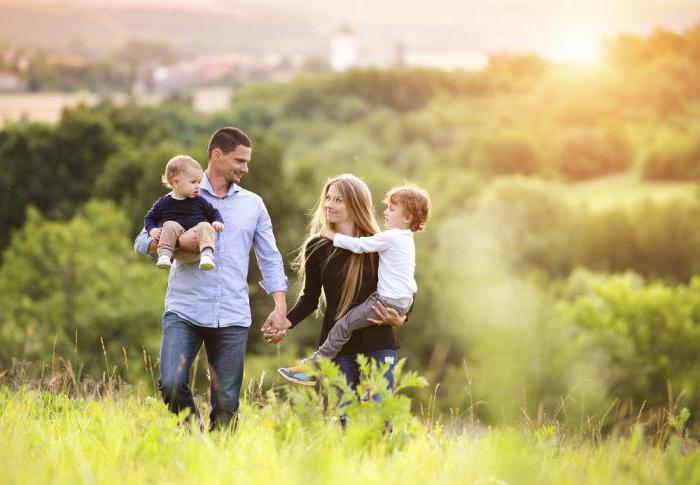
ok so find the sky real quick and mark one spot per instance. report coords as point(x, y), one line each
point(449, 31)
point(558, 29)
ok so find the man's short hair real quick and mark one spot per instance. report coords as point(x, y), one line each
point(415, 202)
point(227, 139)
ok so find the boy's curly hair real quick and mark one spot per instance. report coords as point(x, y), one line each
point(176, 166)
point(415, 202)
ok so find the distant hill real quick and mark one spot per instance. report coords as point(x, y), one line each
point(100, 28)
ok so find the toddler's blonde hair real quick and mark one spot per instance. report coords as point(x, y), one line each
point(415, 202)
point(176, 166)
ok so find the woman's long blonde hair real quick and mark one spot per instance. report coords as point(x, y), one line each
point(358, 200)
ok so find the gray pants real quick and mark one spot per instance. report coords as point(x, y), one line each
point(356, 319)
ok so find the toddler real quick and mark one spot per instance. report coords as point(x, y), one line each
point(182, 210)
point(408, 210)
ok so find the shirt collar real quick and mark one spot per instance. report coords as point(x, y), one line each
point(205, 185)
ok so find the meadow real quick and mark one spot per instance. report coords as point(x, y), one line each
point(63, 430)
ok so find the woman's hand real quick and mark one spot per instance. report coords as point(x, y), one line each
point(218, 226)
point(387, 315)
point(274, 334)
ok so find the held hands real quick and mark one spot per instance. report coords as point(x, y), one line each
point(387, 315)
point(218, 226)
point(275, 327)
point(155, 233)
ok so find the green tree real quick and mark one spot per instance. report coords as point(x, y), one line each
point(52, 168)
point(79, 278)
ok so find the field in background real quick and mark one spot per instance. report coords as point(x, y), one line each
point(626, 190)
point(46, 107)
point(43, 107)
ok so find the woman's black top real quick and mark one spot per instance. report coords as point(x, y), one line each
point(326, 268)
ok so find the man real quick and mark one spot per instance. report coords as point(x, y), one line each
point(212, 307)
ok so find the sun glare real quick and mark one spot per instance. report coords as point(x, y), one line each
point(577, 44)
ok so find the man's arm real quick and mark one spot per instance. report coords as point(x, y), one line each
point(142, 245)
point(272, 268)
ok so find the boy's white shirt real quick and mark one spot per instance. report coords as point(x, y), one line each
point(397, 259)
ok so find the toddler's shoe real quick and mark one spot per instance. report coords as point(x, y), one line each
point(206, 262)
point(163, 261)
point(297, 375)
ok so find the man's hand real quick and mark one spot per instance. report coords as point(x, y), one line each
point(272, 333)
point(276, 321)
point(275, 338)
point(387, 315)
point(276, 324)
point(155, 233)
point(218, 226)
point(327, 233)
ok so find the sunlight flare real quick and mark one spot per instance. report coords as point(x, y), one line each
point(577, 43)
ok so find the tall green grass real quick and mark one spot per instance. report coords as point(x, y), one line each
point(52, 431)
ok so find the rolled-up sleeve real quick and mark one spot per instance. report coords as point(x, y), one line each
point(268, 256)
point(141, 243)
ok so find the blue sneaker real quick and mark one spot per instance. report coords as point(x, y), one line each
point(297, 375)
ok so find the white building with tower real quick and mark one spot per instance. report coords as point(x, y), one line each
point(344, 49)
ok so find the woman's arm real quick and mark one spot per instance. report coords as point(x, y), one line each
point(310, 295)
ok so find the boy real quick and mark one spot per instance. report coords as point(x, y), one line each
point(181, 210)
point(408, 210)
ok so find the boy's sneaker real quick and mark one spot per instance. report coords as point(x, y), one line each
point(206, 262)
point(297, 375)
point(163, 261)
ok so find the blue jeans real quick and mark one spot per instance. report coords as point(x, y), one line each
point(351, 370)
point(225, 346)
point(349, 367)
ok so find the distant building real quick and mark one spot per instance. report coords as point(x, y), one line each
point(194, 72)
point(9, 81)
point(344, 49)
point(399, 54)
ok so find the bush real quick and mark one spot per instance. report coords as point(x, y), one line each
point(674, 155)
point(584, 154)
point(650, 333)
point(533, 221)
point(506, 152)
point(654, 239)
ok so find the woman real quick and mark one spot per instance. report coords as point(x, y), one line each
point(340, 279)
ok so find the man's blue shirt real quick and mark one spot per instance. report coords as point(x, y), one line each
point(219, 298)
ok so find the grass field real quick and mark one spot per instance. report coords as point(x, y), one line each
point(46, 107)
point(626, 190)
point(109, 433)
